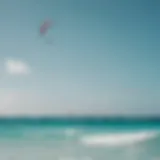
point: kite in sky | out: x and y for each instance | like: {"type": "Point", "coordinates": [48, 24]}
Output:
{"type": "Point", "coordinates": [44, 28]}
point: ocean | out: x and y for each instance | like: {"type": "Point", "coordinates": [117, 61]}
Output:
{"type": "Point", "coordinates": [79, 138]}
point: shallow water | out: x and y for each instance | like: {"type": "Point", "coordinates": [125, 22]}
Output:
{"type": "Point", "coordinates": [133, 141]}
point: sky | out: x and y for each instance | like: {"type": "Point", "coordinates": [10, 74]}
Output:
{"type": "Point", "coordinates": [103, 59]}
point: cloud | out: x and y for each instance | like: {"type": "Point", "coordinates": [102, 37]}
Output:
{"type": "Point", "coordinates": [17, 67]}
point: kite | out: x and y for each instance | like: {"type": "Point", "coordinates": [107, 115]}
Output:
{"type": "Point", "coordinates": [44, 28]}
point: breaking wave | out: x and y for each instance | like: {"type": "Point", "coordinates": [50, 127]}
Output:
{"type": "Point", "coordinates": [118, 139]}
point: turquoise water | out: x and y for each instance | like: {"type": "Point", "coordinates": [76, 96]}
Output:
{"type": "Point", "coordinates": [82, 139]}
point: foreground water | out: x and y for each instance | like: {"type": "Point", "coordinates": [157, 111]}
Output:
{"type": "Point", "coordinates": [82, 139]}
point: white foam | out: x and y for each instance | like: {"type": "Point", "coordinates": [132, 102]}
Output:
{"type": "Point", "coordinates": [118, 139]}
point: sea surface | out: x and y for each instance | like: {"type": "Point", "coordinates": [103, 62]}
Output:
{"type": "Point", "coordinates": [79, 138]}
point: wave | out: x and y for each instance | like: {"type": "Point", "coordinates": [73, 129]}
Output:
{"type": "Point", "coordinates": [118, 139]}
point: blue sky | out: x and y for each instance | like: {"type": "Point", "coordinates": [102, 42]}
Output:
{"type": "Point", "coordinates": [104, 58]}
